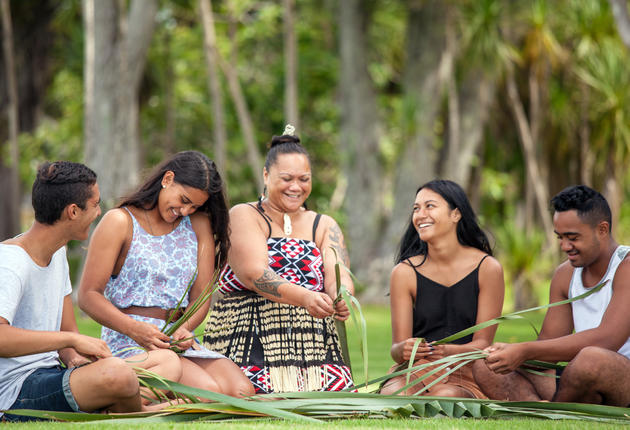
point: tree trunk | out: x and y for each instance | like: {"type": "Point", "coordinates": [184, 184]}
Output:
{"type": "Point", "coordinates": [214, 86]}
{"type": "Point", "coordinates": [476, 93]}
{"type": "Point", "coordinates": [291, 109]}
{"type": "Point", "coordinates": [242, 110]}
{"type": "Point", "coordinates": [620, 12]}
{"type": "Point", "coordinates": [115, 56]}
{"type": "Point", "coordinates": [454, 113]}
{"type": "Point", "coordinates": [529, 152]}
{"type": "Point", "coordinates": [426, 72]}
{"type": "Point", "coordinates": [10, 195]}
{"type": "Point", "coordinates": [170, 146]}
{"type": "Point", "coordinates": [524, 295]}
{"type": "Point", "coordinates": [359, 138]}
{"type": "Point", "coordinates": [587, 157]}
{"type": "Point", "coordinates": [245, 120]}
{"type": "Point", "coordinates": [612, 190]}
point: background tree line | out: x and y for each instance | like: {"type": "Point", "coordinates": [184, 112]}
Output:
{"type": "Point", "coordinates": [512, 99]}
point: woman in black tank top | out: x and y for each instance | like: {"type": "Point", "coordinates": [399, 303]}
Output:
{"type": "Point", "coordinates": [445, 280]}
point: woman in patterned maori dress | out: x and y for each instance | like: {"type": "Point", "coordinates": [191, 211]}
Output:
{"type": "Point", "coordinates": [276, 319]}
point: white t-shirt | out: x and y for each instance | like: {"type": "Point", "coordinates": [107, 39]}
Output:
{"type": "Point", "coordinates": [31, 297]}
{"type": "Point", "coordinates": [588, 312]}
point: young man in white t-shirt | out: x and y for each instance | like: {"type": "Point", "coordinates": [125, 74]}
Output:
{"type": "Point", "coordinates": [37, 324]}
{"type": "Point", "coordinates": [592, 334]}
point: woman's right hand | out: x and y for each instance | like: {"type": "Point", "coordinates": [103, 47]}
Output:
{"type": "Point", "coordinates": [148, 336]}
{"type": "Point", "coordinates": [319, 305]}
{"type": "Point", "coordinates": [424, 349]}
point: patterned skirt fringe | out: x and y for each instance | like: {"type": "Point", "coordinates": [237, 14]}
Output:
{"type": "Point", "coordinates": [295, 348]}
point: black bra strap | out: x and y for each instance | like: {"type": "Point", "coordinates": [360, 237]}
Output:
{"type": "Point", "coordinates": [262, 213]}
{"type": "Point", "coordinates": [315, 224]}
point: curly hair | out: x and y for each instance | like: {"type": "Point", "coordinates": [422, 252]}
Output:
{"type": "Point", "coordinates": [59, 184]}
{"type": "Point", "coordinates": [591, 206]}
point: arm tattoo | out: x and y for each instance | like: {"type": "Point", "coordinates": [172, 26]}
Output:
{"type": "Point", "coordinates": [336, 239]}
{"type": "Point", "coordinates": [269, 283]}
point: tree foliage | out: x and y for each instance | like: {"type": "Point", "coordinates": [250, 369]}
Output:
{"type": "Point", "coordinates": [432, 100]}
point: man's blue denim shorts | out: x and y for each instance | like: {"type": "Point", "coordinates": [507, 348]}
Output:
{"type": "Point", "coordinates": [46, 389]}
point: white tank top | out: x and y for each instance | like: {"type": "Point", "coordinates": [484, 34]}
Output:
{"type": "Point", "coordinates": [588, 312]}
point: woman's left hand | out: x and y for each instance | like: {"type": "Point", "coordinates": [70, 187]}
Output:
{"type": "Point", "coordinates": [341, 310]}
{"type": "Point", "coordinates": [438, 351]}
{"type": "Point", "coordinates": [182, 333]}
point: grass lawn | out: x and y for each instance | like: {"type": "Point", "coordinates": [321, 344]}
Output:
{"type": "Point", "coordinates": [379, 341]}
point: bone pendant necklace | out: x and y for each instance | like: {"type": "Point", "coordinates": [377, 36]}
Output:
{"type": "Point", "coordinates": [288, 228]}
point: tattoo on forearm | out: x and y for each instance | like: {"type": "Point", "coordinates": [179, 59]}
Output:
{"type": "Point", "coordinates": [269, 283]}
{"type": "Point", "coordinates": [336, 239]}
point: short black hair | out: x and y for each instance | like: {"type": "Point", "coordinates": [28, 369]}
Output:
{"type": "Point", "coordinates": [59, 184]}
{"type": "Point", "coordinates": [591, 206]}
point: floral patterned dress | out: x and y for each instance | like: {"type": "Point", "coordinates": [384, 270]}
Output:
{"type": "Point", "coordinates": [156, 273]}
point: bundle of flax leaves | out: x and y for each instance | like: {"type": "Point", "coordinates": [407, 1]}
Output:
{"type": "Point", "coordinates": [318, 406]}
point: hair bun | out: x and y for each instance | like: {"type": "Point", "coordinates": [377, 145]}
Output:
{"type": "Point", "coordinates": [288, 136]}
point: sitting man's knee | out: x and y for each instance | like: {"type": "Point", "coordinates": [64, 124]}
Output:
{"type": "Point", "coordinates": [591, 355]}
{"type": "Point", "coordinates": [118, 378]}
{"type": "Point", "coordinates": [585, 366]}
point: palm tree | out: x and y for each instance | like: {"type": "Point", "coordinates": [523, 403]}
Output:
{"type": "Point", "coordinates": [607, 75]}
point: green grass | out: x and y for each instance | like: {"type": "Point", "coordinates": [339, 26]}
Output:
{"type": "Point", "coordinates": [399, 424]}
{"type": "Point", "coordinates": [379, 342]}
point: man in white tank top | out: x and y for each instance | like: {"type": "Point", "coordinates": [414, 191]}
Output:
{"type": "Point", "coordinates": [592, 334]}
{"type": "Point", "coordinates": [37, 324]}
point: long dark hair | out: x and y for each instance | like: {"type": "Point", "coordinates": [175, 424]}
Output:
{"type": "Point", "coordinates": [468, 231]}
{"type": "Point", "coordinates": [193, 169]}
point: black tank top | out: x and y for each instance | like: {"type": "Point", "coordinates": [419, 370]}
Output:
{"type": "Point", "coordinates": [441, 311]}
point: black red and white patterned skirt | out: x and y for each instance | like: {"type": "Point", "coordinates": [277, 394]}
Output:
{"type": "Point", "coordinates": [280, 347]}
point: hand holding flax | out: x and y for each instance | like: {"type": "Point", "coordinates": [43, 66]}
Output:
{"type": "Point", "coordinates": [504, 358]}
{"type": "Point", "coordinates": [147, 335]}
{"type": "Point", "coordinates": [319, 305]}
{"type": "Point", "coordinates": [405, 349]}
{"type": "Point", "coordinates": [341, 309]}
{"type": "Point", "coordinates": [183, 338]}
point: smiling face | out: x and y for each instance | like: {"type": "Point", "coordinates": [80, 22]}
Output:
{"type": "Point", "coordinates": [288, 182]}
{"type": "Point", "coordinates": [579, 240]}
{"type": "Point", "coordinates": [177, 200]}
{"type": "Point", "coordinates": [432, 216]}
